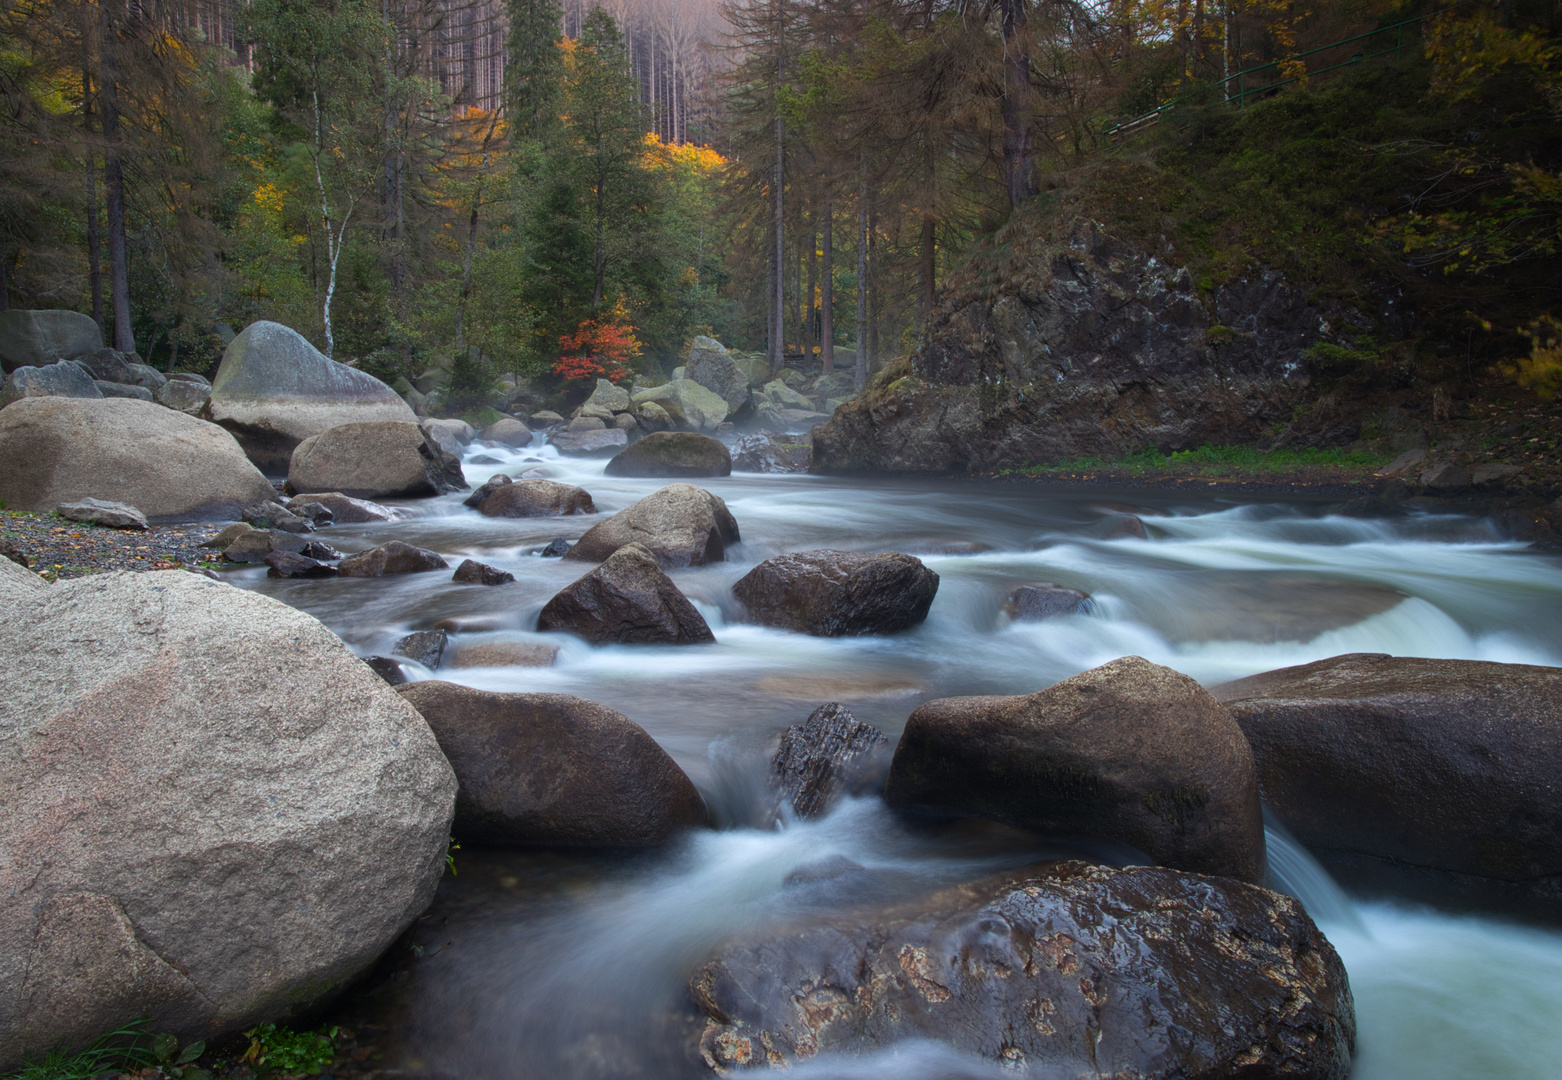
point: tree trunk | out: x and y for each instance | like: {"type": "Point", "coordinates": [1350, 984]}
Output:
{"type": "Point", "coordinates": [929, 261]}
{"type": "Point", "coordinates": [860, 368]}
{"type": "Point", "coordinates": [778, 344]}
{"type": "Point", "coordinates": [114, 192]}
{"type": "Point", "coordinates": [1017, 152]}
{"type": "Point", "coordinates": [827, 293]}
{"type": "Point", "coordinates": [872, 293]}
{"type": "Point", "coordinates": [94, 248]}
{"type": "Point", "coordinates": [810, 317]}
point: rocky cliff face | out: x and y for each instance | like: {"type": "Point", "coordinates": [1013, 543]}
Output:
{"type": "Point", "coordinates": [1100, 349]}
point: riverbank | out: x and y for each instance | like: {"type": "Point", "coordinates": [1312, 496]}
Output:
{"type": "Point", "coordinates": [54, 547]}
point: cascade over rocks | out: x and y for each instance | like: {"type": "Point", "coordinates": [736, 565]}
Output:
{"type": "Point", "coordinates": [681, 525]}
{"type": "Point", "coordinates": [393, 557]}
{"type": "Point", "coordinates": [164, 463]}
{"type": "Point", "coordinates": [830, 754]}
{"type": "Point", "coordinates": [536, 498]}
{"type": "Point", "coordinates": [1096, 347]}
{"type": "Point", "coordinates": [382, 459]}
{"type": "Point", "coordinates": [628, 600]}
{"type": "Point", "coordinates": [1439, 776]}
{"type": "Point", "coordinates": [1069, 971]}
{"type": "Point", "coordinates": [838, 593]}
{"type": "Point", "coordinates": [39, 337]}
{"type": "Point", "coordinates": [673, 453]}
{"type": "Point", "coordinates": [273, 390]}
{"type": "Point", "coordinates": [555, 770]}
{"type": "Point", "coordinates": [1127, 753]}
{"type": "Point", "coordinates": [211, 812]}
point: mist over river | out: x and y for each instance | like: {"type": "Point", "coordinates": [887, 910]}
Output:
{"type": "Point", "coordinates": [566, 966]}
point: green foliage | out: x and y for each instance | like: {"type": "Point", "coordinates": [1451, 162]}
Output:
{"type": "Point", "coordinates": [281, 1049]}
{"type": "Point", "coordinates": [129, 1047]}
{"type": "Point", "coordinates": [1211, 460]}
{"type": "Point", "coordinates": [1541, 370]}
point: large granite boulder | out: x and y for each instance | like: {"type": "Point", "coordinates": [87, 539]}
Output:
{"type": "Point", "coordinates": [536, 498]}
{"type": "Point", "coordinates": [211, 812]}
{"type": "Point", "coordinates": [628, 600]}
{"type": "Point", "coordinates": [164, 463]}
{"type": "Point", "coordinates": [382, 459]}
{"type": "Point", "coordinates": [1069, 971]}
{"type": "Point", "coordinates": [605, 400]}
{"type": "Point", "coordinates": [1436, 777]}
{"type": "Point", "coordinates": [1127, 753]}
{"type": "Point", "coordinates": [37, 338]}
{"type": "Point", "coordinates": [681, 525]}
{"type": "Point", "coordinates": [555, 770]}
{"type": "Point", "coordinates": [590, 443]}
{"type": "Point", "coordinates": [712, 366]}
{"type": "Point", "coordinates": [273, 390]}
{"type": "Point", "coordinates": [66, 379]}
{"type": "Point", "coordinates": [673, 453]}
{"type": "Point", "coordinates": [506, 431]}
{"type": "Point", "coordinates": [838, 593]}
{"type": "Point", "coordinates": [688, 403]}
{"type": "Point", "coordinates": [17, 583]}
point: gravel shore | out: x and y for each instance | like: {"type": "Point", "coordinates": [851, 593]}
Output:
{"type": "Point", "coordinates": [56, 548]}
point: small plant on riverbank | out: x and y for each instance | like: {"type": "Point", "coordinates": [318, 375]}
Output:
{"type": "Point", "coordinates": [123, 1049]}
{"type": "Point", "coordinates": [283, 1050]}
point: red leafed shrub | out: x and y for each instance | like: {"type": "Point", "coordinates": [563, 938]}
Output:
{"type": "Point", "coordinates": [598, 349]}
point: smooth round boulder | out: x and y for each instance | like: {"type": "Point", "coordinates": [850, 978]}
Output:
{"type": "Point", "coordinates": [379, 460]}
{"type": "Point", "coordinates": [1435, 777]}
{"type": "Point", "coordinates": [682, 525]}
{"type": "Point", "coordinates": [211, 812]}
{"type": "Point", "coordinates": [274, 389]}
{"type": "Point", "coordinates": [1068, 970]}
{"type": "Point", "coordinates": [164, 463]}
{"type": "Point", "coordinates": [536, 498]}
{"type": "Point", "coordinates": [555, 770]}
{"type": "Point", "coordinates": [838, 593]}
{"type": "Point", "coordinates": [1127, 753]}
{"type": "Point", "coordinates": [507, 432]}
{"type": "Point", "coordinates": [628, 600]}
{"type": "Point", "coordinates": [393, 557]}
{"type": "Point", "coordinates": [68, 380]}
{"type": "Point", "coordinates": [38, 337]}
{"type": "Point", "coordinates": [672, 453]}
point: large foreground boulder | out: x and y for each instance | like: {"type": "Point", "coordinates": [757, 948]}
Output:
{"type": "Point", "coordinates": [1076, 971]}
{"type": "Point", "coordinates": [164, 463]}
{"type": "Point", "coordinates": [384, 459]}
{"type": "Point", "coordinates": [1127, 753]}
{"type": "Point", "coordinates": [36, 338]}
{"type": "Point", "coordinates": [681, 525]}
{"type": "Point", "coordinates": [211, 812]}
{"type": "Point", "coordinates": [273, 390]}
{"type": "Point", "coordinates": [838, 593]}
{"type": "Point", "coordinates": [628, 600]}
{"type": "Point", "coordinates": [555, 770]}
{"type": "Point", "coordinates": [53, 380]}
{"type": "Point", "coordinates": [1438, 777]}
{"type": "Point", "coordinates": [536, 498]}
{"type": "Point", "coordinates": [673, 453]}
{"type": "Point", "coordinates": [17, 583]}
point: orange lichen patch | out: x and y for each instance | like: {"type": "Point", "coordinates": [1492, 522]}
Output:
{"type": "Point", "coordinates": [919, 968]}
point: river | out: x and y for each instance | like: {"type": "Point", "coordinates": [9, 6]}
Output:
{"type": "Point", "coordinates": [573, 966]}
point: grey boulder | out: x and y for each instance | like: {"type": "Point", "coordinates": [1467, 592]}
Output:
{"type": "Point", "coordinates": [125, 390]}
{"type": "Point", "coordinates": [830, 754]}
{"type": "Point", "coordinates": [689, 404]}
{"type": "Point", "coordinates": [507, 432]}
{"type": "Point", "coordinates": [66, 380]}
{"type": "Point", "coordinates": [1044, 600]}
{"type": "Point", "coordinates": [344, 509]}
{"type": "Point", "coordinates": [36, 338]}
{"type": "Point", "coordinates": [375, 460]}
{"type": "Point", "coordinates": [190, 838]}
{"type": "Point", "coordinates": [682, 525]}
{"type": "Point", "coordinates": [712, 366]}
{"type": "Point", "coordinates": [183, 395]}
{"type": "Point", "coordinates": [628, 600]}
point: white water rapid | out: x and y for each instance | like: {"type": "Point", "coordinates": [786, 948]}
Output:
{"type": "Point", "coordinates": [570, 967]}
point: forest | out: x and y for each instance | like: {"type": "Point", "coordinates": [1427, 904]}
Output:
{"type": "Point", "coordinates": [560, 191]}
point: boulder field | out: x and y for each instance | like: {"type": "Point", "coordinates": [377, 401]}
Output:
{"type": "Point", "coordinates": [189, 837]}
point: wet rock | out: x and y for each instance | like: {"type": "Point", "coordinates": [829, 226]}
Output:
{"type": "Point", "coordinates": [394, 557]}
{"type": "Point", "coordinates": [1437, 777]}
{"type": "Point", "coordinates": [228, 535]}
{"type": "Point", "coordinates": [453, 436]}
{"type": "Point", "coordinates": [1127, 753]}
{"type": "Point", "coordinates": [473, 572]}
{"type": "Point", "coordinates": [555, 770]}
{"type": "Point", "coordinates": [556, 548]}
{"type": "Point", "coordinates": [830, 754]}
{"type": "Point", "coordinates": [255, 545]}
{"type": "Point", "coordinates": [213, 841]}
{"type": "Point", "coordinates": [838, 593]}
{"type": "Point", "coordinates": [345, 510]}
{"type": "Point", "coordinates": [472, 654]}
{"type": "Point", "coordinates": [1119, 527]}
{"type": "Point", "coordinates": [1530, 527]}
{"type": "Point", "coordinates": [383, 459]}
{"type": "Point", "coordinates": [285, 564]}
{"type": "Point", "coordinates": [38, 337]}
{"type": "Point", "coordinates": [628, 600]}
{"type": "Point", "coordinates": [387, 669]}
{"type": "Point", "coordinates": [124, 390]}
{"type": "Point", "coordinates": [681, 525]}
{"type": "Point", "coordinates": [1044, 600]}
{"type": "Point", "coordinates": [537, 498]}
{"type": "Point", "coordinates": [485, 489]}
{"type": "Point", "coordinates": [1070, 971]}
{"type": "Point", "coordinates": [319, 549]}
{"type": "Point", "coordinates": [763, 452]}
{"type": "Point", "coordinates": [945, 546]}
{"type": "Point", "coordinates": [273, 390]}
{"type": "Point", "coordinates": [590, 442]}
{"type": "Point", "coordinates": [273, 515]}
{"type": "Point", "coordinates": [65, 380]}
{"type": "Point", "coordinates": [315, 513]}
{"type": "Point", "coordinates": [672, 453]}
{"type": "Point", "coordinates": [427, 647]}
{"type": "Point", "coordinates": [114, 515]}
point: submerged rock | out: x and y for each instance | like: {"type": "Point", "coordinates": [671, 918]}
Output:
{"type": "Point", "coordinates": [681, 525]}
{"type": "Point", "coordinates": [838, 593]}
{"type": "Point", "coordinates": [470, 654]}
{"type": "Point", "coordinates": [628, 600]}
{"type": "Point", "coordinates": [1127, 753]}
{"type": "Point", "coordinates": [1044, 600]}
{"type": "Point", "coordinates": [1074, 971]}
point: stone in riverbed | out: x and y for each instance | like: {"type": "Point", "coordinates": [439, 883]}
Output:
{"type": "Point", "coordinates": [507, 432]}
{"type": "Point", "coordinates": [386, 668]}
{"type": "Point", "coordinates": [628, 600]}
{"type": "Point", "coordinates": [537, 498]}
{"type": "Point", "coordinates": [681, 525]}
{"type": "Point", "coordinates": [315, 513]}
{"type": "Point", "coordinates": [555, 770]}
{"type": "Point", "coordinates": [763, 452]}
{"type": "Point", "coordinates": [285, 564]}
{"type": "Point", "coordinates": [255, 545]}
{"type": "Point", "coordinates": [830, 754]}
{"type": "Point", "coordinates": [114, 515]}
{"type": "Point", "coordinates": [590, 442]}
{"type": "Point", "coordinates": [1435, 776]}
{"type": "Point", "coordinates": [212, 842]}
{"type": "Point", "coordinates": [556, 548]}
{"type": "Point", "coordinates": [228, 535]}
{"type": "Point", "coordinates": [838, 593]}
{"type": "Point", "coordinates": [1044, 600]}
{"type": "Point", "coordinates": [382, 459]}
{"type": "Point", "coordinates": [344, 509]}
{"type": "Point", "coordinates": [393, 557]}
{"type": "Point", "coordinates": [319, 549]}
{"type": "Point", "coordinates": [124, 390]}
{"type": "Point", "coordinates": [672, 453]}
{"type": "Point", "coordinates": [1127, 753]}
{"type": "Point", "coordinates": [1068, 971]}
{"type": "Point", "coordinates": [273, 515]}
{"type": "Point", "coordinates": [485, 489]}
{"type": "Point", "coordinates": [427, 647]}
{"type": "Point", "coordinates": [473, 572]}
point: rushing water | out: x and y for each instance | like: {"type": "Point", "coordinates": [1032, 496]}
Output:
{"type": "Point", "coordinates": [571, 967]}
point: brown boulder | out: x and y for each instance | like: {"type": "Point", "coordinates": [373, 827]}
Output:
{"type": "Point", "coordinates": [681, 525]}
{"type": "Point", "coordinates": [1127, 753]}
{"type": "Point", "coordinates": [473, 572]}
{"type": "Point", "coordinates": [394, 557]}
{"type": "Point", "coordinates": [838, 593]}
{"type": "Point", "coordinates": [627, 600]}
{"type": "Point", "coordinates": [537, 498]}
{"type": "Point", "coordinates": [554, 770]}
